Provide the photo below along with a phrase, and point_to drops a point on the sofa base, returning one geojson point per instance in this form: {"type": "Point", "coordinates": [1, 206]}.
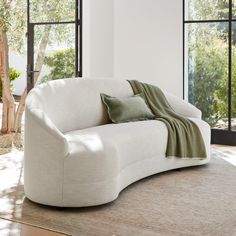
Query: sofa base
{"type": "Point", "coordinates": [98, 193]}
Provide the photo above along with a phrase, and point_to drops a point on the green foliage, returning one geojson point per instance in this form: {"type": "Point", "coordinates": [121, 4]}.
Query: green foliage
{"type": "Point", "coordinates": [61, 64]}
{"type": "Point", "coordinates": [53, 11]}
{"type": "Point", "coordinates": [208, 9]}
{"type": "Point", "coordinates": [208, 61]}
{"type": "Point", "coordinates": [222, 90]}
{"type": "Point", "coordinates": [207, 68]}
{"type": "Point", "coordinates": [13, 74]}
{"type": "Point", "coordinates": [13, 20]}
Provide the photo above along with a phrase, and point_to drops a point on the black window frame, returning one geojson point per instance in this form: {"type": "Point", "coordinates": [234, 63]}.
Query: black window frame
{"type": "Point", "coordinates": [78, 23]}
{"type": "Point", "coordinates": [218, 136]}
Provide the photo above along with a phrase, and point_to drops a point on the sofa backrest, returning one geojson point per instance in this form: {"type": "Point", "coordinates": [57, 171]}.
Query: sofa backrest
{"type": "Point", "coordinates": [74, 104]}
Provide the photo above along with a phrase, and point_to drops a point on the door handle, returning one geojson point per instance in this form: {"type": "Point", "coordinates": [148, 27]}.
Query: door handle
{"type": "Point", "coordinates": [33, 71]}
{"type": "Point", "coordinates": [29, 69]}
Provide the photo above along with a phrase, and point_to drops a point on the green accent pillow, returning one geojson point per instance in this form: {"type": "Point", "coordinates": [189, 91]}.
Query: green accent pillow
{"type": "Point", "coordinates": [127, 109]}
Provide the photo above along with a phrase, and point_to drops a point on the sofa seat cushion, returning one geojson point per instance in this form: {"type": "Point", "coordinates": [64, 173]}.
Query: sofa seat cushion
{"type": "Point", "coordinates": [101, 152]}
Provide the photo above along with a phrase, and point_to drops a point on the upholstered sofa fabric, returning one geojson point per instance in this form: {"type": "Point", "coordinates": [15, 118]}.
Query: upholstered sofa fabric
{"type": "Point", "coordinates": [75, 157]}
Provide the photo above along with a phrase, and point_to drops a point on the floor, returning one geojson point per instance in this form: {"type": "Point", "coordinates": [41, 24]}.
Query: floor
{"type": "Point", "coordinates": [8, 227]}
{"type": "Point", "coordinates": [11, 228]}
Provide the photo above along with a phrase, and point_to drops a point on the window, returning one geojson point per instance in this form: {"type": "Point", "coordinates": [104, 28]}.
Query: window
{"type": "Point", "coordinates": [54, 48]}
{"type": "Point", "coordinates": [210, 64]}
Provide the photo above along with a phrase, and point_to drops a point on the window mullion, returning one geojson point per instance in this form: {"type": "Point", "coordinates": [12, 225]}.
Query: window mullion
{"type": "Point", "coordinates": [230, 66]}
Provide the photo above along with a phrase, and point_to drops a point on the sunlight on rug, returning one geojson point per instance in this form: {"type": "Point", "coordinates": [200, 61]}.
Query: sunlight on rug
{"type": "Point", "coordinates": [226, 153]}
{"type": "Point", "coordinates": [11, 176]}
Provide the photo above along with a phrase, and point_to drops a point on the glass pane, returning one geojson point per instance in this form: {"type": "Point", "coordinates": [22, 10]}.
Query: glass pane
{"type": "Point", "coordinates": [233, 113]}
{"type": "Point", "coordinates": [207, 54]}
{"type": "Point", "coordinates": [234, 8]}
{"type": "Point", "coordinates": [206, 9]}
{"type": "Point", "coordinates": [52, 11]}
{"type": "Point", "coordinates": [54, 52]}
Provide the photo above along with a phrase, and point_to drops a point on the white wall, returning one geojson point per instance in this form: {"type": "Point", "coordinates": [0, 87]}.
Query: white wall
{"type": "Point", "coordinates": [18, 62]}
{"type": "Point", "coordinates": [148, 42]}
{"type": "Point", "coordinates": [98, 38]}
{"type": "Point", "coordinates": [130, 39]}
{"type": "Point", "coordinates": [134, 39]}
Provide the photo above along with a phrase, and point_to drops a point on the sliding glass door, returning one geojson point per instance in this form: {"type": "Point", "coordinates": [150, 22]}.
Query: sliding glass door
{"type": "Point", "coordinates": [54, 40]}
{"type": "Point", "coordinates": [210, 64]}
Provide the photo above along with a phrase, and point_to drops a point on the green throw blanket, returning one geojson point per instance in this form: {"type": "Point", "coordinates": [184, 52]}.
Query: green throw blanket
{"type": "Point", "coordinates": [184, 137]}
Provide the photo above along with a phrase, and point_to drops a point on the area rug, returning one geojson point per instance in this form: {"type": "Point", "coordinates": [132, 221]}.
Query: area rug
{"type": "Point", "coordinates": [187, 202]}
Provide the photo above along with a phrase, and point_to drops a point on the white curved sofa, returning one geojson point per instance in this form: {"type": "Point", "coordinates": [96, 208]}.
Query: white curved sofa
{"type": "Point", "coordinates": [74, 157]}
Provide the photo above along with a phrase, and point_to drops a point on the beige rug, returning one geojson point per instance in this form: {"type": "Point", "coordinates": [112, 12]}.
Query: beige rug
{"type": "Point", "coordinates": [191, 201]}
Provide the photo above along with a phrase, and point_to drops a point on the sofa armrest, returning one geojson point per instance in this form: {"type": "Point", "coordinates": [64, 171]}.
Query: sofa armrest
{"type": "Point", "coordinates": [182, 107]}
{"type": "Point", "coordinates": [44, 153]}
{"type": "Point", "coordinates": [42, 121]}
